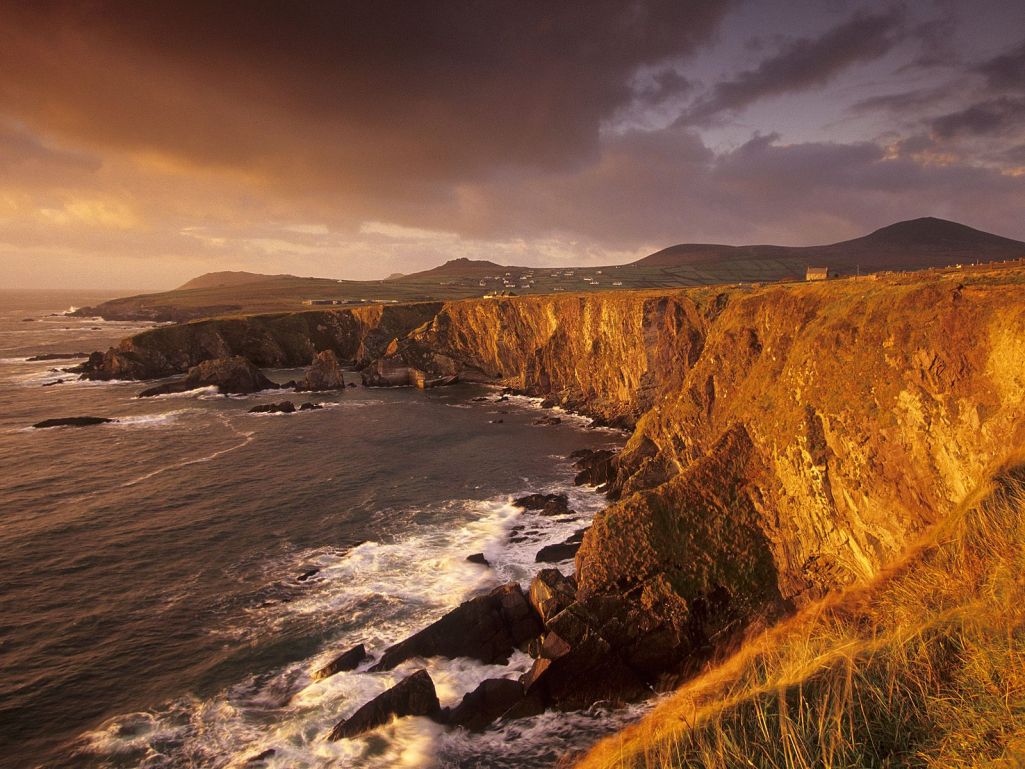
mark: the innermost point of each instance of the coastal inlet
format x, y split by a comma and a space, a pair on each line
173, 579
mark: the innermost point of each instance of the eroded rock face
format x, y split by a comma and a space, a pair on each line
413, 696
487, 628
229, 375
325, 373
491, 700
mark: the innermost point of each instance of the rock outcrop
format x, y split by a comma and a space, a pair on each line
230, 375
487, 628
787, 440
347, 660
413, 696
72, 422
325, 373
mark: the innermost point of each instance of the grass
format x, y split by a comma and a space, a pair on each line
924, 667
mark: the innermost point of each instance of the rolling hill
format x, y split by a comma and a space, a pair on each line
911, 245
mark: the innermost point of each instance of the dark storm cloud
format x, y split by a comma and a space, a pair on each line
389, 97
995, 116
1006, 71
801, 64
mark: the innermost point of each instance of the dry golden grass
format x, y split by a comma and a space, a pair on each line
924, 667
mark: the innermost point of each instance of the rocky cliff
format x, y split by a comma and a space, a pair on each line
786, 440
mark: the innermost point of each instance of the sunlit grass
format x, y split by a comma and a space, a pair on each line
925, 667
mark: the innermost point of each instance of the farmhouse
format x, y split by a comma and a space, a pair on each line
817, 273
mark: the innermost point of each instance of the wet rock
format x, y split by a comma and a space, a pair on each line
413, 696
351, 384
285, 407
550, 592
480, 398
54, 382
562, 551
496, 421
348, 660
325, 373
478, 558
261, 757
487, 628
545, 504
548, 421
307, 575
596, 467
491, 700
72, 422
230, 375
549, 403
308, 406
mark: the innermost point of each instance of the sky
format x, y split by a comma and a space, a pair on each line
142, 144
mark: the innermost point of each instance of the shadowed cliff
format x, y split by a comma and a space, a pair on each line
787, 441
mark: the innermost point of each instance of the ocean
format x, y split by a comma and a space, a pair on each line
153, 610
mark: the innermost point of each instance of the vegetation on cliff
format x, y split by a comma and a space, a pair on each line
924, 666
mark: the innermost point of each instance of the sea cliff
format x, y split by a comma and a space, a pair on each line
786, 440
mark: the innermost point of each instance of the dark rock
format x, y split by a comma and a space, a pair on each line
546, 504
478, 558
229, 375
310, 406
54, 382
480, 398
548, 421
551, 592
501, 398
413, 696
260, 757
285, 407
58, 356
597, 467
496, 421
556, 553
486, 628
72, 422
351, 384
492, 699
325, 373
306, 575
348, 660
549, 403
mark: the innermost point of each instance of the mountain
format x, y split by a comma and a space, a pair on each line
911, 245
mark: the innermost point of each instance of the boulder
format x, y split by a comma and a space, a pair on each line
348, 660
285, 407
230, 375
548, 420
492, 699
546, 504
308, 406
413, 696
597, 467
486, 628
325, 373
478, 558
72, 422
551, 592
562, 551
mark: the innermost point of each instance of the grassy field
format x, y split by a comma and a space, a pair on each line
925, 667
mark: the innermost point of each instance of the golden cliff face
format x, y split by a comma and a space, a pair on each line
788, 439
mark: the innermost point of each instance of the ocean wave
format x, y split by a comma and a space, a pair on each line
151, 420
379, 593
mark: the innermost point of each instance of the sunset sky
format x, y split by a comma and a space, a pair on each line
143, 143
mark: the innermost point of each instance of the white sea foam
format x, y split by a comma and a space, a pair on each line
151, 420
380, 592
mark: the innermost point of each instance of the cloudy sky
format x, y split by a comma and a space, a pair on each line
144, 143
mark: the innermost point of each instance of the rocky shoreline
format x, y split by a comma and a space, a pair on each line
786, 441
